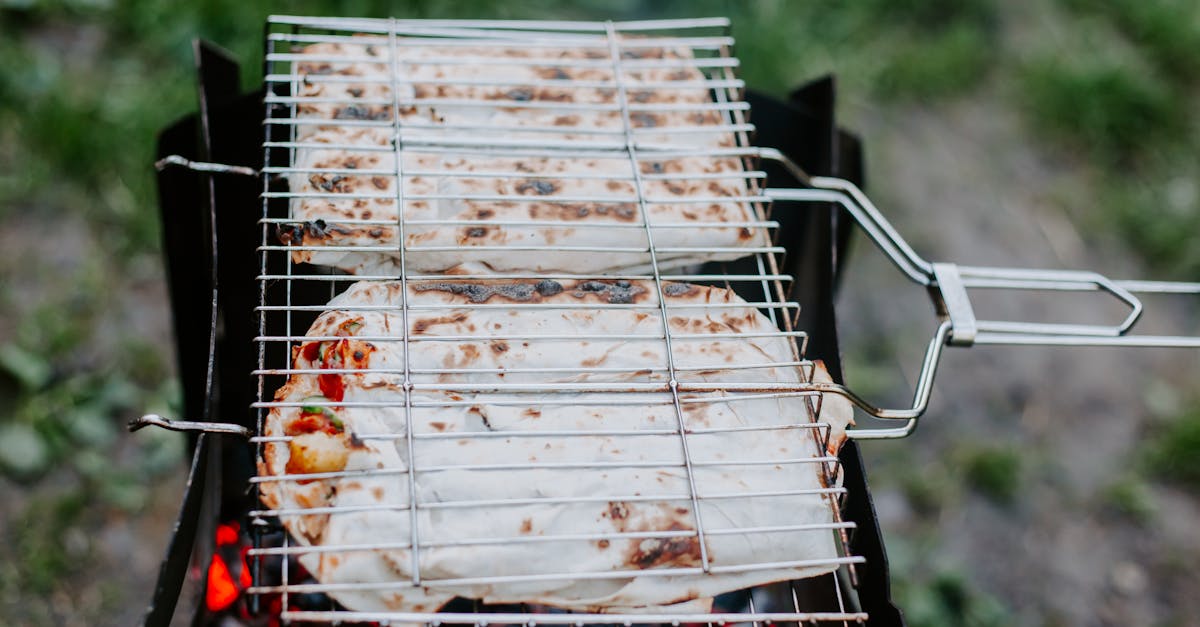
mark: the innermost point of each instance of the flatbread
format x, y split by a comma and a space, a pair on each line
511, 191
467, 435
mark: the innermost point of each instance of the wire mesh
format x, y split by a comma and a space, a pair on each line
496, 269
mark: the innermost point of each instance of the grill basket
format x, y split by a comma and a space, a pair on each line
640, 138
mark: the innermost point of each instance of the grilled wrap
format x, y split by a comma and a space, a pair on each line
489, 158
483, 521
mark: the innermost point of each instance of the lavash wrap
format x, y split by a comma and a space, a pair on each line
372, 490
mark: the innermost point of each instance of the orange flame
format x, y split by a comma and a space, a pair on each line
222, 591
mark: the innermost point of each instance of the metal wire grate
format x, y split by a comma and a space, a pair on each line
568, 192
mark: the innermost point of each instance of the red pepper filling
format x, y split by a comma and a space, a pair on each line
332, 387
312, 422
311, 351
337, 355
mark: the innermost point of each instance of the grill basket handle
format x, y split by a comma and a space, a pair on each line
948, 285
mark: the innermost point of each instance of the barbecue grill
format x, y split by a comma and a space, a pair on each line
217, 164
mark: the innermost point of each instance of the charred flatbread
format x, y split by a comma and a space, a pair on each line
577, 500
494, 178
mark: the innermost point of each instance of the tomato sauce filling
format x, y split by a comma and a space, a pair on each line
340, 354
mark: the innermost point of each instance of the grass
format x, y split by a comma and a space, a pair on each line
1129, 497
949, 599
1173, 455
38, 538
933, 591
1159, 217
994, 472
947, 62
1168, 31
1117, 91
1114, 114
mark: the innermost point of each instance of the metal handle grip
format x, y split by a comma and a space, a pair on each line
950, 284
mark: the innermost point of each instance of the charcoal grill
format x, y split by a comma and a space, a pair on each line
213, 240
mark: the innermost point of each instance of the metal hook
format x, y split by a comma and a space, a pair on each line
186, 425
202, 166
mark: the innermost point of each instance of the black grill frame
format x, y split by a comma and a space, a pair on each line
209, 242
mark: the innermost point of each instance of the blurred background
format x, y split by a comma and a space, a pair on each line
1044, 487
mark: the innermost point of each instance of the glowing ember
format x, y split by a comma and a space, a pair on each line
224, 587
222, 591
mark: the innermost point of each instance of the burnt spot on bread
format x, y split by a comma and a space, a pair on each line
615, 292
546, 287
677, 289
499, 347
717, 189
470, 352
552, 73
642, 119
484, 214
475, 231
656, 552
438, 426
482, 292
287, 234
624, 212
335, 183
316, 69
536, 186
592, 362
671, 166
527, 526
296, 233
519, 94
424, 324
617, 511
611, 291
361, 112
532, 412
380, 182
